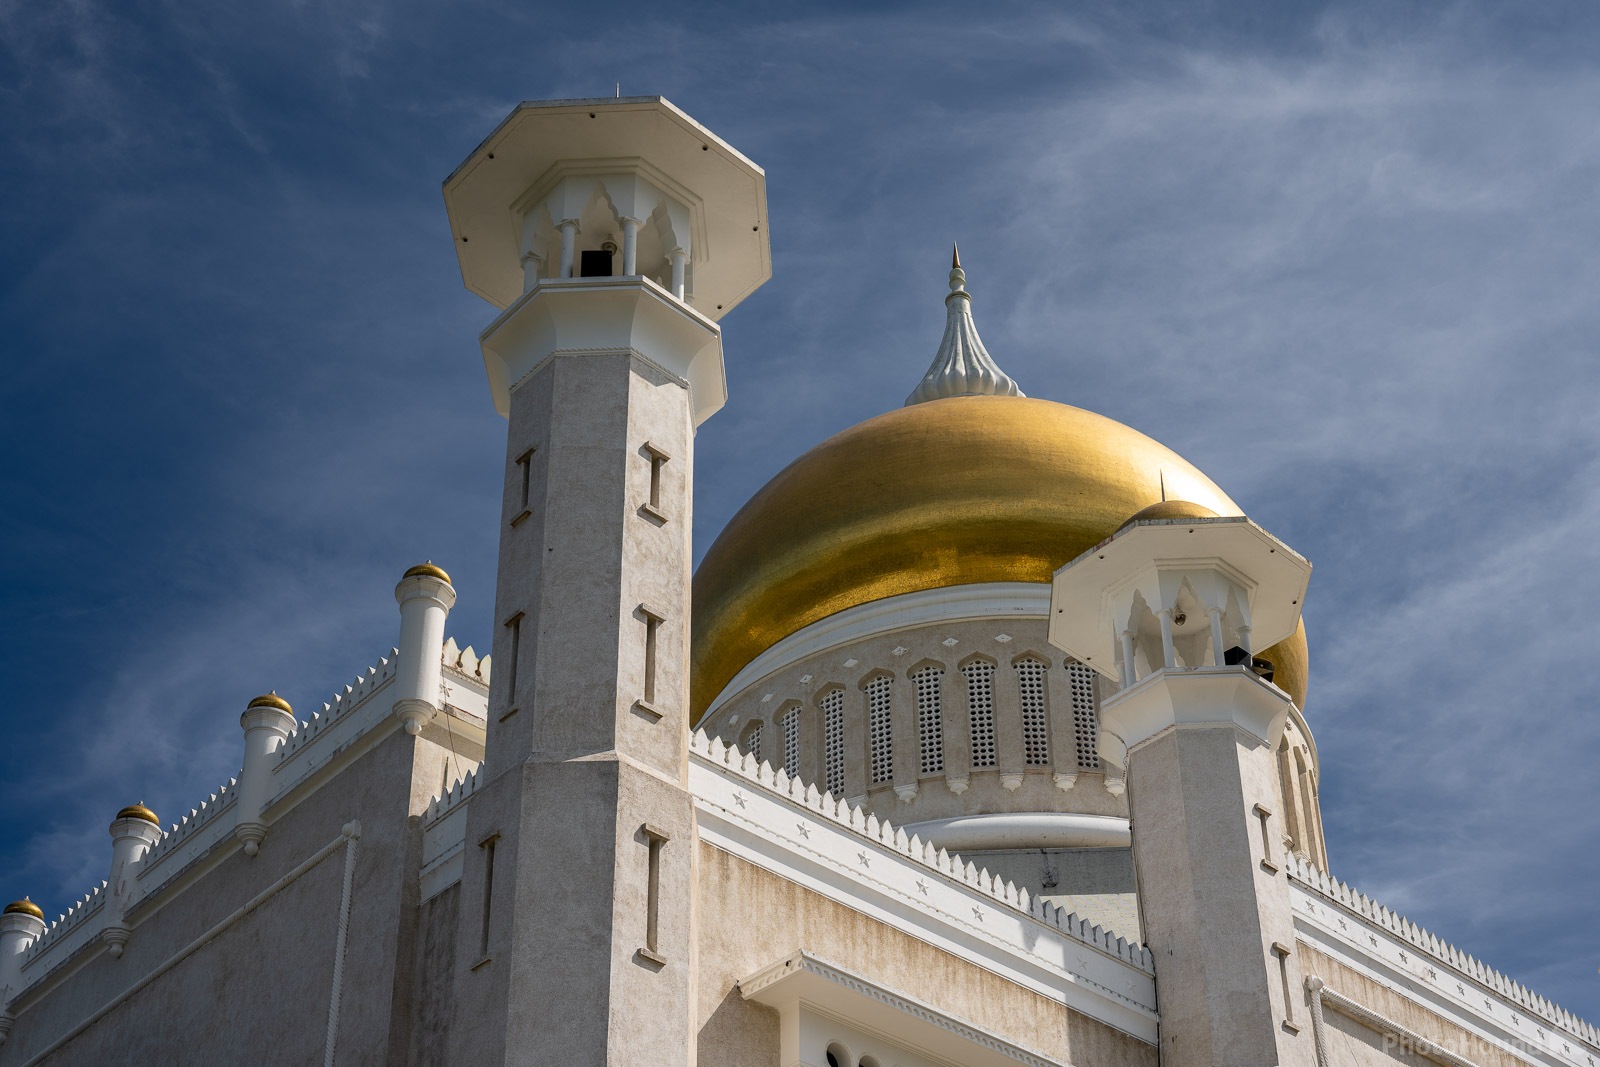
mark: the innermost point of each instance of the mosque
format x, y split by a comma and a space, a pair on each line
983, 743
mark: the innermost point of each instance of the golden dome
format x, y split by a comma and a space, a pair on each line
1168, 509
24, 907
957, 491
139, 811
271, 700
426, 570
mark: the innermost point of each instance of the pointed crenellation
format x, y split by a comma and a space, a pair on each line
458, 793
962, 366
199, 816
66, 922
730, 759
1302, 870
466, 662
354, 694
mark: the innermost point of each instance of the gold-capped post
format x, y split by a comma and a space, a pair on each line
24, 907
272, 700
427, 570
139, 811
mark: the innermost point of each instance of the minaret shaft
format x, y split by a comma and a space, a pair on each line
578, 894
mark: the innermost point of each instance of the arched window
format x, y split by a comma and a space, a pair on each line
750, 741
1085, 715
930, 717
789, 725
879, 738
979, 675
833, 741
1291, 812
1035, 718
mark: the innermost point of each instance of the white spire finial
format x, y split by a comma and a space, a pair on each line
962, 367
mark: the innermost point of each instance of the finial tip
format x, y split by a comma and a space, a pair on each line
955, 256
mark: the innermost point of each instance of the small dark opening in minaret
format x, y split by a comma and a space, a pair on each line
595, 265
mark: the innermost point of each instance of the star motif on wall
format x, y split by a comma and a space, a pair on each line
977, 913
866, 861
922, 887
739, 799
805, 831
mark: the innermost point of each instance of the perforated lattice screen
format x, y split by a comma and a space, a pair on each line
752, 741
833, 740
1085, 715
980, 707
1035, 726
930, 718
878, 723
791, 740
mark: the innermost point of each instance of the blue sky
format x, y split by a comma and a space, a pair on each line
1343, 257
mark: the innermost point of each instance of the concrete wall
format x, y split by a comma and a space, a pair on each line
1353, 1044
433, 1001
749, 918
260, 991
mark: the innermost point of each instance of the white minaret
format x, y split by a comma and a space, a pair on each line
1166, 608
21, 924
425, 596
267, 722
613, 233
133, 832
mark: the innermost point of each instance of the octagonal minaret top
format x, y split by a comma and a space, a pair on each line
630, 186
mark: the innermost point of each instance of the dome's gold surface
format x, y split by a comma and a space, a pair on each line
951, 492
24, 907
1168, 509
271, 700
138, 811
427, 570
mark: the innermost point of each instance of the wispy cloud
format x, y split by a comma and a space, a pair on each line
1341, 259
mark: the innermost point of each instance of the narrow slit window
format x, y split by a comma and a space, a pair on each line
1085, 714
878, 728
652, 627
930, 718
488, 893
654, 840
524, 476
833, 740
790, 724
979, 675
1035, 719
514, 635
658, 460
1265, 817
1282, 953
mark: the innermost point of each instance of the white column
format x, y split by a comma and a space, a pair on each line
680, 259
532, 267
21, 925
1169, 655
1218, 650
630, 246
569, 245
425, 596
267, 723
1129, 673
